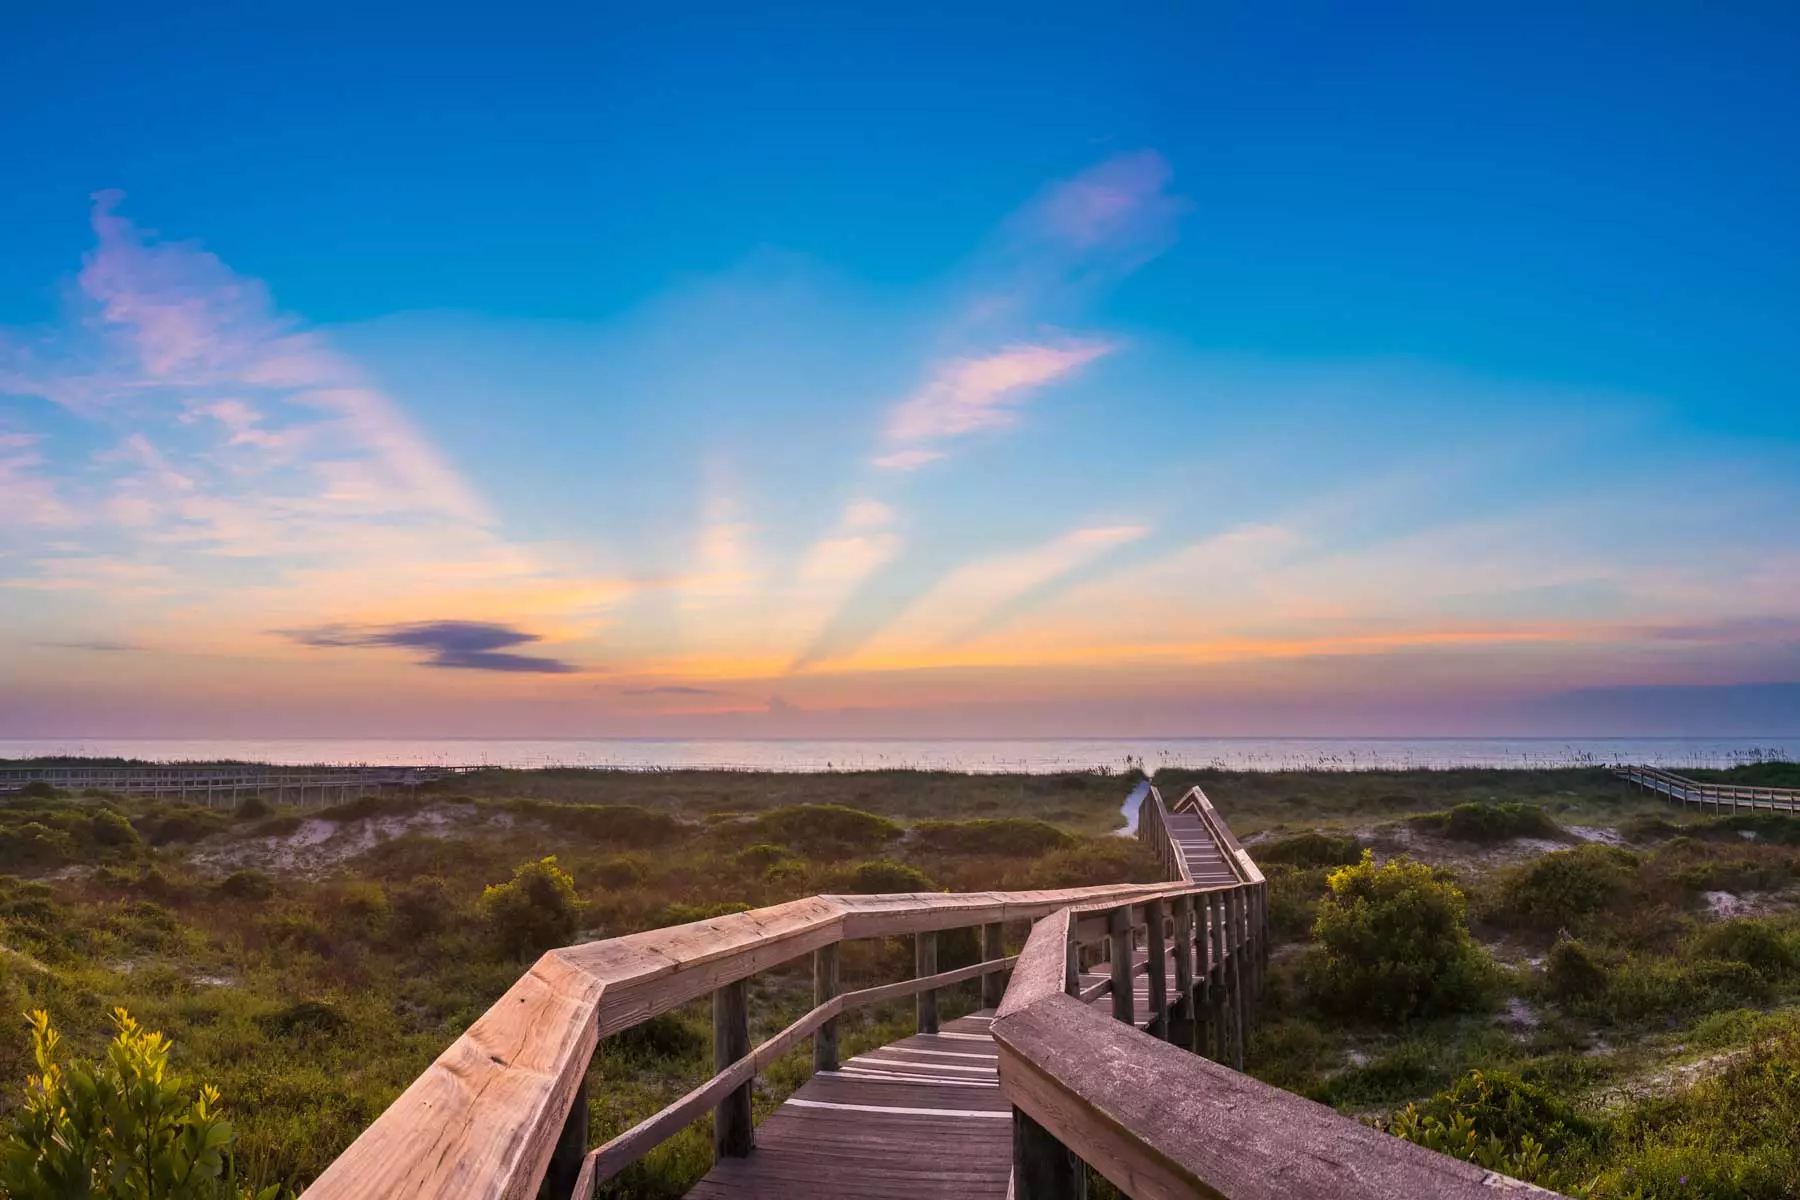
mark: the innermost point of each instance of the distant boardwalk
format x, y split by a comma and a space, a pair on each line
225, 783
1719, 797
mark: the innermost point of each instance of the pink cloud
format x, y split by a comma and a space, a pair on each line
967, 395
1120, 203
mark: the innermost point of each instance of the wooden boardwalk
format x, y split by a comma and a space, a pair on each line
918, 1119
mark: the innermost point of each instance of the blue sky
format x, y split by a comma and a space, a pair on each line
1023, 370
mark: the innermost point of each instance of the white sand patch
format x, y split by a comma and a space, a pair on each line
1520, 1015
318, 845
1595, 833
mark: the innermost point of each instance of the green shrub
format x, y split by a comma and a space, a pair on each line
252, 808
1557, 890
1310, 849
537, 910
1573, 974
33, 844
824, 830
621, 871
1095, 862
1501, 1123
881, 876
1294, 894
624, 826
422, 906
112, 829
125, 1128
305, 1017
761, 856
364, 901
1488, 823
1005, 837
684, 914
1393, 943
248, 885
1759, 944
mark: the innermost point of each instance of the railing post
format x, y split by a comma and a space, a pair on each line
825, 986
1221, 950
733, 1131
571, 1148
1072, 965
1158, 980
925, 1009
1043, 1168
1181, 1021
993, 945
1124, 995
1234, 901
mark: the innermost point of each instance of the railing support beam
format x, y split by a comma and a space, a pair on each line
571, 1148
925, 1005
1043, 1168
1181, 1020
825, 986
1157, 980
993, 987
733, 1131
1124, 993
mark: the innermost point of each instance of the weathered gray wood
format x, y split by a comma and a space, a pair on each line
825, 986
993, 945
733, 1132
1157, 966
1043, 1168
1124, 992
571, 1149
1160, 1124
925, 1007
625, 1149
919, 985
1234, 934
1181, 1018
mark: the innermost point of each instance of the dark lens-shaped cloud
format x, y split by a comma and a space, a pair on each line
468, 645
671, 691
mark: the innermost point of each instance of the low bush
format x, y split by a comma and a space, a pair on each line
624, 826
1487, 823
1005, 837
248, 885
880, 876
1501, 1123
1393, 944
1294, 895
1759, 944
124, 1128
1310, 849
535, 911
823, 830
1572, 973
1557, 890
1093, 862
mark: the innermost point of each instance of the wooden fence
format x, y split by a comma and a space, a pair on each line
502, 1113
1719, 797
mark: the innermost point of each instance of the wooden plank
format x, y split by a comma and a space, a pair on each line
825, 988
913, 987
1161, 1124
483, 1120
625, 1149
733, 1130
1123, 992
993, 985
925, 1007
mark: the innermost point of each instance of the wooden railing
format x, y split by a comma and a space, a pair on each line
502, 1113
1719, 797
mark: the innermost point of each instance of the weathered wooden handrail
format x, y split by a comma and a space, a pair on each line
485, 1118
1164, 1124
1718, 795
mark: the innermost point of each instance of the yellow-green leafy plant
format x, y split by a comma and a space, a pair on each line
124, 1128
536, 910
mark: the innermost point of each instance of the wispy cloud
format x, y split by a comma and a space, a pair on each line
468, 645
969, 395
671, 690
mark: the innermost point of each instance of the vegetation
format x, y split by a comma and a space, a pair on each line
1393, 944
1485, 822
1633, 1010
125, 1128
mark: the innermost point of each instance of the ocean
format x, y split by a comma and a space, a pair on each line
1033, 755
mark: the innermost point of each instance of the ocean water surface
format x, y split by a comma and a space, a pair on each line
1033, 755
